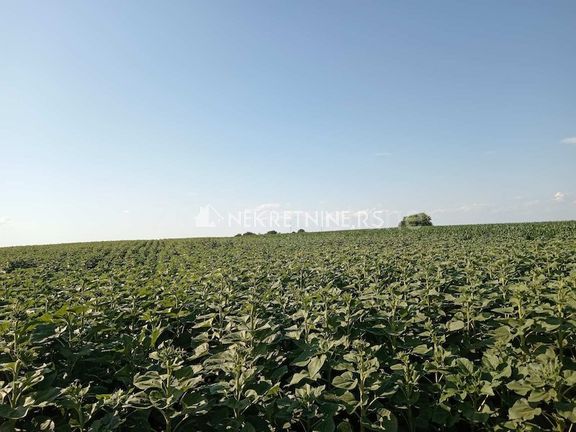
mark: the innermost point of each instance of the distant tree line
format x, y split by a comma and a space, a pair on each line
271, 232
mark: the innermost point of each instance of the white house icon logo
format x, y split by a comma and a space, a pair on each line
207, 217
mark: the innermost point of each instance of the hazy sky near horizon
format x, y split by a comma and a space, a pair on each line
121, 120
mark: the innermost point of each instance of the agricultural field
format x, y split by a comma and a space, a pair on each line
437, 328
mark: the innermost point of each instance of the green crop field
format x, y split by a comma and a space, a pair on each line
437, 328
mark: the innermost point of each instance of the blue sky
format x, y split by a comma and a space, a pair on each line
120, 120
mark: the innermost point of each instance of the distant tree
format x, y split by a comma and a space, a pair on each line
415, 220
272, 232
301, 231
238, 235
248, 233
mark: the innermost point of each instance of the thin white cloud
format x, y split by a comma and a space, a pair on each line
569, 140
4, 220
559, 196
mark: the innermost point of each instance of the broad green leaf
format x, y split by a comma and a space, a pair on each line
520, 387
315, 365
345, 381
297, 377
456, 325
13, 413
522, 410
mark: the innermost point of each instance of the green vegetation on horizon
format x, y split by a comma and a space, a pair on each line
415, 220
436, 328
